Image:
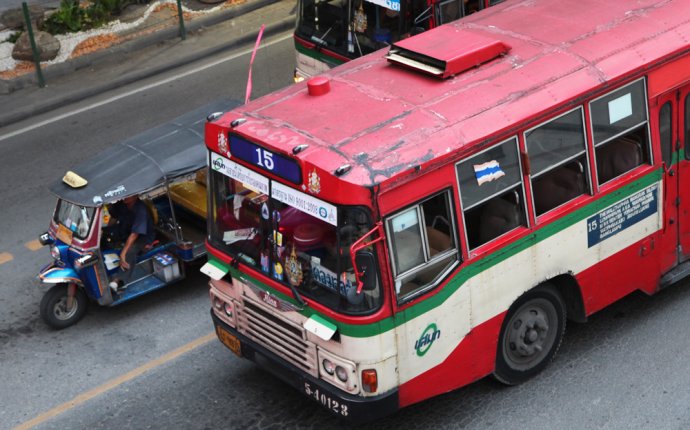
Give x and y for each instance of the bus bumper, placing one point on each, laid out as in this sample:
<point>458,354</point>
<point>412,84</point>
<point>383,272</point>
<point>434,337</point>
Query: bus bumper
<point>350,407</point>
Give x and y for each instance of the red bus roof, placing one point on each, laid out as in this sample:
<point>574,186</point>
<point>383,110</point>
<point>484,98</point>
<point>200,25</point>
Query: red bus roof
<point>384,119</point>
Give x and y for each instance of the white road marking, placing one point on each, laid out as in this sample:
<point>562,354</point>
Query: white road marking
<point>140,89</point>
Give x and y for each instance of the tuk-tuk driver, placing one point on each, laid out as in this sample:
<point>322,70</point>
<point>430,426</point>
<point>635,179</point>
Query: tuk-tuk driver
<point>134,218</point>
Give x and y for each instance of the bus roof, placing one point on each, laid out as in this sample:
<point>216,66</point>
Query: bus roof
<point>384,119</point>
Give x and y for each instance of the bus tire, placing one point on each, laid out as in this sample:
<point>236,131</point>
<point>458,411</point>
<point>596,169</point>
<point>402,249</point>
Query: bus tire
<point>54,307</point>
<point>530,335</point>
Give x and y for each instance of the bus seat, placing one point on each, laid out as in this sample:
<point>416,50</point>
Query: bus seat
<point>438,241</point>
<point>557,187</point>
<point>498,216</point>
<point>617,157</point>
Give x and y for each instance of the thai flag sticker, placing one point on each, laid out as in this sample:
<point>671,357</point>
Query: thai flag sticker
<point>487,172</point>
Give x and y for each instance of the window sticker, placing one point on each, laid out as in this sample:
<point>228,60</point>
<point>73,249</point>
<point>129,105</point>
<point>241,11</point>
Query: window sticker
<point>487,172</point>
<point>248,178</point>
<point>305,203</point>
<point>620,108</point>
<point>405,220</point>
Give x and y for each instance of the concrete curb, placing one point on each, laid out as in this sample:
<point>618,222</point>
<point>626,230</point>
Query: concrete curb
<point>137,44</point>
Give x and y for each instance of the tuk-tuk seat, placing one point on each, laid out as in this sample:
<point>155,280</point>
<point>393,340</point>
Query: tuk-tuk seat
<point>153,212</point>
<point>191,195</point>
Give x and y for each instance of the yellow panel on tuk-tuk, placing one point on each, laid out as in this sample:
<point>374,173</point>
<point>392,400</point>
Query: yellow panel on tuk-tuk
<point>191,196</point>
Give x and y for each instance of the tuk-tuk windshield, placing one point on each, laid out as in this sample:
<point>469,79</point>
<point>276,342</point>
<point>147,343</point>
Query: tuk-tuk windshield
<point>76,218</point>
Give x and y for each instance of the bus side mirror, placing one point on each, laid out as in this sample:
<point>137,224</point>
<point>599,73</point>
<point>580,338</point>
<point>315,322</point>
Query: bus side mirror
<point>366,269</point>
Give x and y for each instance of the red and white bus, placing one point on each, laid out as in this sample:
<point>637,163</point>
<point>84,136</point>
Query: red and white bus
<point>331,32</point>
<point>428,215</point>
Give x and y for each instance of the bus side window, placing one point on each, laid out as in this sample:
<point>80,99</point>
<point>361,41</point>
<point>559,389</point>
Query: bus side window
<point>557,154</point>
<point>422,244</point>
<point>491,191</point>
<point>619,128</point>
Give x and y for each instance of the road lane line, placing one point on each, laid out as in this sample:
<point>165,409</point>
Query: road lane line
<point>33,245</point>
<point>138,90</point>
<point>5,257</point>
<point>114,383</point>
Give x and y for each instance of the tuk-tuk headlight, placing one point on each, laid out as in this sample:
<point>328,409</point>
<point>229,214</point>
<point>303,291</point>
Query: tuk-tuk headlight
<point>55,252</point>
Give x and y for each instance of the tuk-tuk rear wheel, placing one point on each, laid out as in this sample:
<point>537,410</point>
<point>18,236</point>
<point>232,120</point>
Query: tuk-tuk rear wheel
<point>54,309</point>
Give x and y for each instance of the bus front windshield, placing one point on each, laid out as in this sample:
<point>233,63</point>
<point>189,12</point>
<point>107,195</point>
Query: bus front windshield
<point>352,27</point>
<point>289,244</point>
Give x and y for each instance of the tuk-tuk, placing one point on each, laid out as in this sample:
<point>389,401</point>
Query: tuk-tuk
<point>165,167</point>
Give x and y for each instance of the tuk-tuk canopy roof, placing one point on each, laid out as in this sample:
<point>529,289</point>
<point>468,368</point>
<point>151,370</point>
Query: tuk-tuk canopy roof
<point>143,162</point>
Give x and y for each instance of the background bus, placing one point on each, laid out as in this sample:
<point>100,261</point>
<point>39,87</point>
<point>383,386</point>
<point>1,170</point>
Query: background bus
<point>331,32</point>
<point>427,215</point>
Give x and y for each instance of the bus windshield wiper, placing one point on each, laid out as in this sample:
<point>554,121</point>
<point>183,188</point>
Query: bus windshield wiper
<point>298,297</point>
<point>320,40</point>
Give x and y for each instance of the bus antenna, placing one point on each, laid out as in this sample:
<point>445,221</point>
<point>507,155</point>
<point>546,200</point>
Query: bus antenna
<point>251,62</point>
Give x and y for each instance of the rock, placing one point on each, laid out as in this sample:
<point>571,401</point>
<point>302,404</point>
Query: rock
<point>47,45</point>
<point>13,19</point>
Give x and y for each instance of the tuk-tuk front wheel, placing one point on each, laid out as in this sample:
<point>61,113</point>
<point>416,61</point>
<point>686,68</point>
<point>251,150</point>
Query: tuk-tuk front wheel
<point>55,309</point>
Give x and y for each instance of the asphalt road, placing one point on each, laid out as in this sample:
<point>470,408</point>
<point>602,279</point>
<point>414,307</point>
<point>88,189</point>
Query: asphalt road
<point>153,362</point>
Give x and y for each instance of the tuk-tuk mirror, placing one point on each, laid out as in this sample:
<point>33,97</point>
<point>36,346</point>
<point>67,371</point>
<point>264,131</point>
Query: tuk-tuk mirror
<point>366,268</point>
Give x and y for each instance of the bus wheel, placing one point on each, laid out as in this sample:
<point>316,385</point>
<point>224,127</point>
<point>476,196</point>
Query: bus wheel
<point>530,336</point>
<point>55,310</point>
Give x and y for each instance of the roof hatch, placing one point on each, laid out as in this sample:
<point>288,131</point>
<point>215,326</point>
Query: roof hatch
<point>445,51</point>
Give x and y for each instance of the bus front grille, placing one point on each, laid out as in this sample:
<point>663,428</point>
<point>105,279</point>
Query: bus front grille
<point>281,336</point>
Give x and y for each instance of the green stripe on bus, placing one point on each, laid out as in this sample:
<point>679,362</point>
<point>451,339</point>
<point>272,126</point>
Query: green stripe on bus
<point>317,55</point>
<point>476,267</point>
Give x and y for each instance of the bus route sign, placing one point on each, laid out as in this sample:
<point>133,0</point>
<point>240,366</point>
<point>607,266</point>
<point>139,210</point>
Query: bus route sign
<point>622,215</point>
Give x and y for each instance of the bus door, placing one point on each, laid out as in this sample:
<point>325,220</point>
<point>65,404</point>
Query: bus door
<point>673,110</point>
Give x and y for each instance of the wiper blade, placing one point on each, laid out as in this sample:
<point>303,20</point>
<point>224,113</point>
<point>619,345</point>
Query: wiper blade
<point>298,297</point>
<point>321,40</point>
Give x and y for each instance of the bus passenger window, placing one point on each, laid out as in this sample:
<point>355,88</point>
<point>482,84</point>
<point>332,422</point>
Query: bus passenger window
<point>448,11</point>
<point>558,158</point>
<point>422,244</point>
<point>619,128</point>
<point>491,192</point>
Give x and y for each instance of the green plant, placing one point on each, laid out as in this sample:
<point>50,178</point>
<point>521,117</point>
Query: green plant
<point>14,37</point>
<point>67,19</point>
<point>71,17</point>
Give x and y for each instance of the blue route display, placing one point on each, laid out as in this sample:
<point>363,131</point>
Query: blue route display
<point>622,215</point>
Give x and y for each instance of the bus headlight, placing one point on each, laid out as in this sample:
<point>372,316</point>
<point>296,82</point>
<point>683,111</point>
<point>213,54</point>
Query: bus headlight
<point>228,310</point>
<point>328,366</point>
<point>341,373</point>
<point>338,371</point>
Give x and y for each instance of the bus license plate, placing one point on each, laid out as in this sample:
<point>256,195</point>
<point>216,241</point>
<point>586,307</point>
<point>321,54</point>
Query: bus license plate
<point>230,341</point>
<point>326,400</point>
